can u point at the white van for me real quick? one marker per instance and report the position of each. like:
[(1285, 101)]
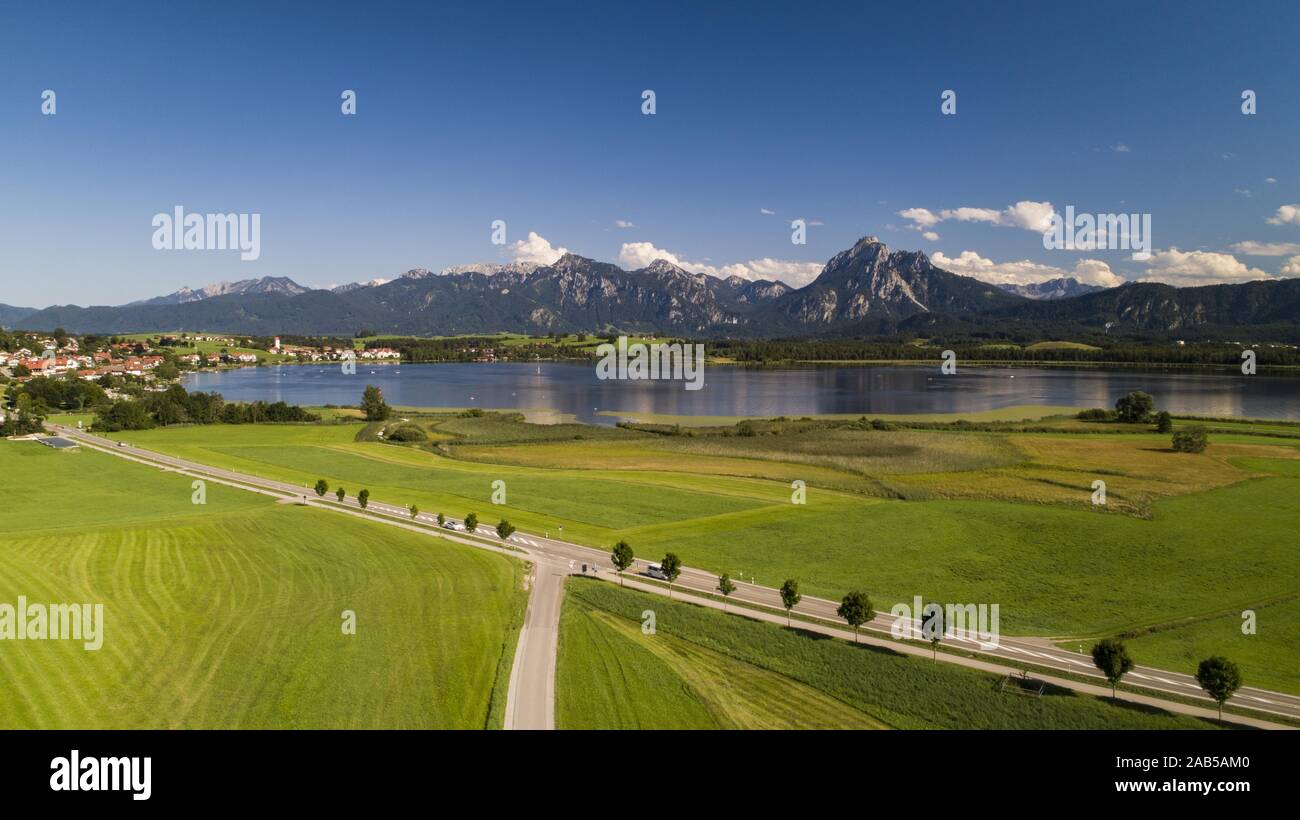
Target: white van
[(656, 571)]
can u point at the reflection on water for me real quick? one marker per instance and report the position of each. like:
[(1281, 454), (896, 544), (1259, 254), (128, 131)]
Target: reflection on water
[(561, 389)]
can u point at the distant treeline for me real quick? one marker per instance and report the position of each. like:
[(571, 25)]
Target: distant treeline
[(267, 342), (469, 348), (175, 405), (1209, 353)]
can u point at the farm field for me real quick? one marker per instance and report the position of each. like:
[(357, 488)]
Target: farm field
[(1020, 412), (589, 504), (1269, 655), (229, 614), (704, 669), (1003, 518)]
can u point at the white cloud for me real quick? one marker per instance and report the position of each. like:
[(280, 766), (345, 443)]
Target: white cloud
[(1242, 191), (1025, 272), (1096, 272), (921, 216), (930, 235), (1251, 248), (1032, 216), (1175, 267), (972, 214), (535, 250), (767, 211), (1287, 214), (795, 274), (623, 223), (1270, 180), (1120, 148), (635, 255), (1026, 214), (1292, 267)]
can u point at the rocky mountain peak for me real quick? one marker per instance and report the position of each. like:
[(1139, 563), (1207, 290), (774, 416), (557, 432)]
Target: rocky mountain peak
[(662, 266)]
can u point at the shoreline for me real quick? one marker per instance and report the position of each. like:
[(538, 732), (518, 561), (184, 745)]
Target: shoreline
[(1280, 370)]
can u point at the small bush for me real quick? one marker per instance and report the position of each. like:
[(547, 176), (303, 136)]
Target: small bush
[(406, 433), (1164, 422), (1096, 414), (1193, 440)]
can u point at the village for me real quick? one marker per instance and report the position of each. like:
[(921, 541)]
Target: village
[(36, 355)]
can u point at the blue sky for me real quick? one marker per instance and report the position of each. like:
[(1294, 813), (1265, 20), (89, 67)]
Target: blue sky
[(531, 113)]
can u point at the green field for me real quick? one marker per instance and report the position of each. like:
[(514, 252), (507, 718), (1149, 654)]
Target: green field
[(228, 615), (703, 669), (1269, 655), (1020, 412), (958, 516)]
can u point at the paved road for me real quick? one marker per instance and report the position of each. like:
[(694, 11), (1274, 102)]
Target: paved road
[(531, 701), (557, 553)]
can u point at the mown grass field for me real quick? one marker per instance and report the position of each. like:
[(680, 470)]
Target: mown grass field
[(704, 669), (589, 504), (614, 677), (1020, 412), (1268, 655), (229, 614), (989, 516)]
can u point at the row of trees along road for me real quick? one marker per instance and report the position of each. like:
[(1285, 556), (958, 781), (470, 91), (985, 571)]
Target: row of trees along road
[(1218, 676)]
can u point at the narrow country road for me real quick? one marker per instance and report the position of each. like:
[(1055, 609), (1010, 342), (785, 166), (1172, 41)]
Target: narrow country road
[(817, 614), (531, 701)]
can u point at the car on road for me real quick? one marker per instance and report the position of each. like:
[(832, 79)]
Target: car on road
[(656, 571), (451, 525)]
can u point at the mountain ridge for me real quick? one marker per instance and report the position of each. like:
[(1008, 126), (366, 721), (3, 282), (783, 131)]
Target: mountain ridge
[(867, 289)]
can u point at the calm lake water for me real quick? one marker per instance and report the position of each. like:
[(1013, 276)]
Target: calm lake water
[(567, 388)]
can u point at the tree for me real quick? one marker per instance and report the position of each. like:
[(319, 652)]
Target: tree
[(471, 522), (1111, 657), (167, 371), (621, 558), (672, 567), (363, 498), (442, 519), (504, 529), (726, 586), (415, 512), (855, 609), (790, 597), (1193, 440), (1135, 408), (322, 487), (1220, 678), (932, 623), (373, 404), (340, 494), (1164, 422)]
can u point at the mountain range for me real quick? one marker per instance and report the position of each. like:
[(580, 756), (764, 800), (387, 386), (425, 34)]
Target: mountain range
[(868, 289), (1062, 288), (10, 315), (267, 284)]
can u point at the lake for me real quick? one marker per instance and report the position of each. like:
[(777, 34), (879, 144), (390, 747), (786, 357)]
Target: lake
[(572, 388)]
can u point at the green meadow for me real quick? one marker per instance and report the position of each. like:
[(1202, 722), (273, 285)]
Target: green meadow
[(1267, 656), (982, 515), (703, 669), (230, 614)]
